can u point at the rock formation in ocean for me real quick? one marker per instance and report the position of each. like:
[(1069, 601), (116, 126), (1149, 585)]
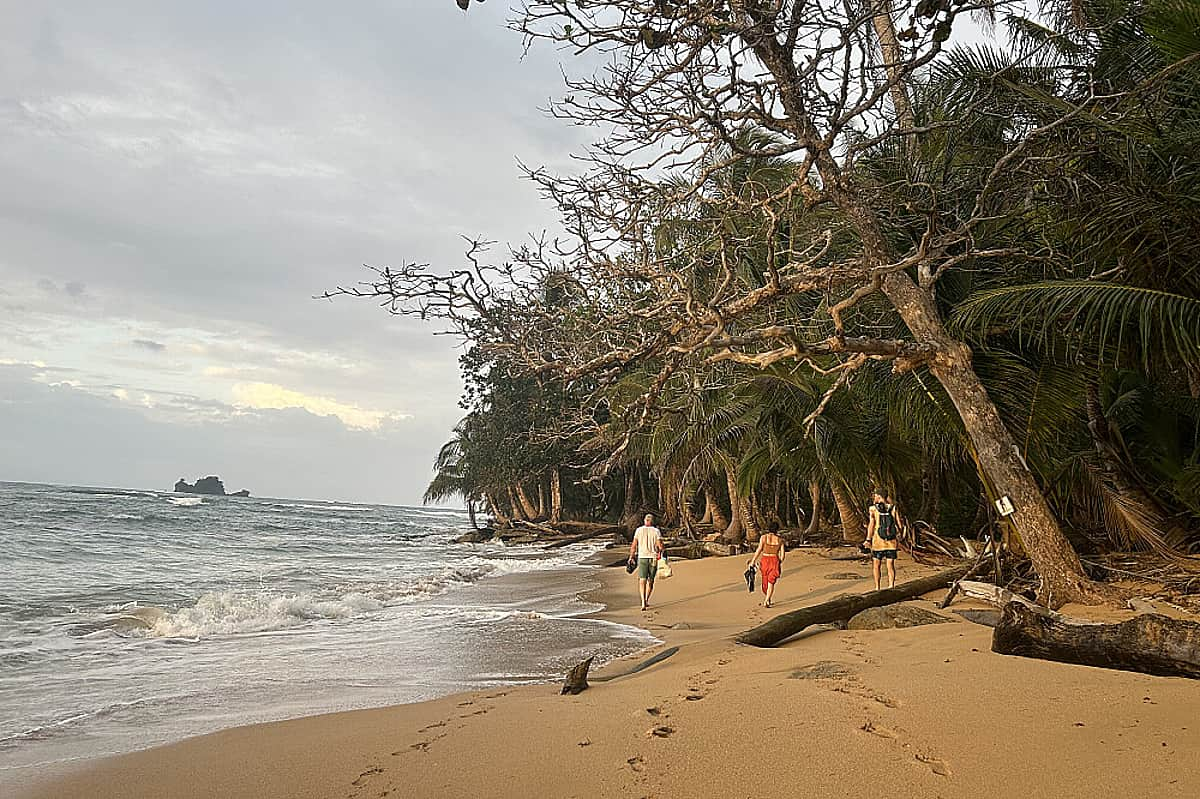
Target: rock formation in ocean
[(207, 485)]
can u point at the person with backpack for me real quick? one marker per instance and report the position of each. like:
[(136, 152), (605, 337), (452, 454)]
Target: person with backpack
[(883, 530)]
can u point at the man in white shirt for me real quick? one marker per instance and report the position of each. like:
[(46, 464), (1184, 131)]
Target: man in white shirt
[(647, 547)]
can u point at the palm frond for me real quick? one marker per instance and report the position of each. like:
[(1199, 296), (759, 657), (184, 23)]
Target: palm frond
[(1094, 315)]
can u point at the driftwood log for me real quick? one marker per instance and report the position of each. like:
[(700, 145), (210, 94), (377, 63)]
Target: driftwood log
[(575, 539), (576, 680), (994, 594), (841, 609), (1150, 643)]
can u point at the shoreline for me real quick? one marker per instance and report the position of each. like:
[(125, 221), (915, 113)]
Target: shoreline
[(924, 711), (531, 584)]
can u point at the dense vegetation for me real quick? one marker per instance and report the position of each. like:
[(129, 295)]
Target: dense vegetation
[(953, 273)]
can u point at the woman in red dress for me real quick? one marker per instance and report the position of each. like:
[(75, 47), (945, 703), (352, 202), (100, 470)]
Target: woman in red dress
[(769, 557)]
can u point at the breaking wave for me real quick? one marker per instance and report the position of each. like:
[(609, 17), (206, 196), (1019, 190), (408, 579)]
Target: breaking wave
[(238, 612)]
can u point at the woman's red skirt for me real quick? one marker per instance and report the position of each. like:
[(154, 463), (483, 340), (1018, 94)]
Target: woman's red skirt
[(768, 566)]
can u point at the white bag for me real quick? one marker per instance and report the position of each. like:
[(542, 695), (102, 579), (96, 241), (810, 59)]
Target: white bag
[(664, 568)]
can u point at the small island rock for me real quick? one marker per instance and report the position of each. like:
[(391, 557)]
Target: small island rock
[(210, 485)]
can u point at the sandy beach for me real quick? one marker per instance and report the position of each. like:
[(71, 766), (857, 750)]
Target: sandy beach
[(918, 712)]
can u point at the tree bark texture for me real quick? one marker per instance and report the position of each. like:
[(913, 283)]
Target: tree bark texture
[(719, 520), (853, 527), (527, 506), (814, 495), (630, 507), (1150, 643), (555, 496), (494, 509), (735, 532), (707, 518), (893, 56)]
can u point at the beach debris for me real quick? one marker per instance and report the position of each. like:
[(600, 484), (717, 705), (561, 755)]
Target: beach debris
[(904, 614), (585, 742), (576, 680), (996, 595), (1148, 643), (842, 609)]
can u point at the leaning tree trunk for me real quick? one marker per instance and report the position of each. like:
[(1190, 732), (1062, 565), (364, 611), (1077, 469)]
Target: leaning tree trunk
[(751, 519), (1061, 572), (707, 518), (471, 514), (814, 495), (719, 521), (853, 528), (1056, 563), (735, 532), (515, 506), (494, 508), (555, 497), (629, 508), (893, 57), (669, 499), (527, 506)]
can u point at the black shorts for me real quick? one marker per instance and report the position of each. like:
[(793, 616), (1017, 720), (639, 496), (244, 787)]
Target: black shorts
[(883, 554)]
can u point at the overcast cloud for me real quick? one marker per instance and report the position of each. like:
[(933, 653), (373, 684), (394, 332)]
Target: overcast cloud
[(178, 179)]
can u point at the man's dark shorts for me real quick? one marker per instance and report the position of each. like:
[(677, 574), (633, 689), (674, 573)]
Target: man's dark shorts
[(647, 568), (884, 554)]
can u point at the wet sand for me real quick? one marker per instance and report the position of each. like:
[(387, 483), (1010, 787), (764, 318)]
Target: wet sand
[(918, 712)]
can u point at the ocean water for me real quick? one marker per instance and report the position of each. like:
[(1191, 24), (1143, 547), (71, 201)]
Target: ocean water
[(134, 618)]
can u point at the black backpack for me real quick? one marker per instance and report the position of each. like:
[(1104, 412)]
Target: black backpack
[(887, 522)]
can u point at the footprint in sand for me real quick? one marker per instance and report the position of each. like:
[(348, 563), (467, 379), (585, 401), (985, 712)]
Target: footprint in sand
[(660, 732), (937, 766), (366, 775), (882, 732), (423, 746), (433, 726), (636, 764)]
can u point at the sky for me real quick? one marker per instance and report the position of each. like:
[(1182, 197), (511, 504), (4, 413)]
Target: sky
[(179, 179)]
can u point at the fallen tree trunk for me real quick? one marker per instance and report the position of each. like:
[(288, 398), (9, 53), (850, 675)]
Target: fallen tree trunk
[(841, 609), (575, 539), (1150, 643), (543, 529)]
